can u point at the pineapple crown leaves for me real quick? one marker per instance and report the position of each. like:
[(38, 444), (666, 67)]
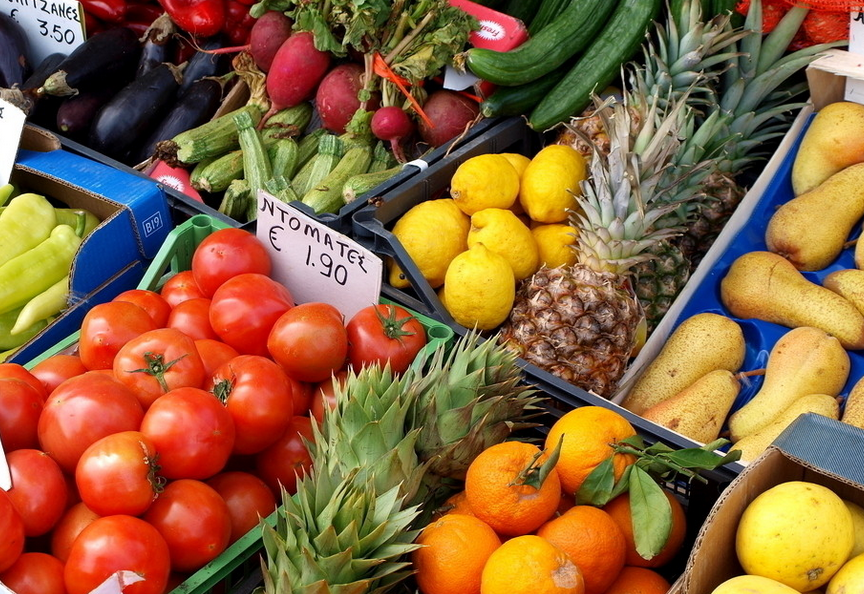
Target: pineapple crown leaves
[(337, 535), (655, 464)]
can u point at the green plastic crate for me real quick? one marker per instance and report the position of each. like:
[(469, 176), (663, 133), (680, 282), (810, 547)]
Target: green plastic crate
[(239, 561)]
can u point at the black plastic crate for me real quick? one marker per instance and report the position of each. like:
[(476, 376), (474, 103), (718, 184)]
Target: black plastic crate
[(372, 228)]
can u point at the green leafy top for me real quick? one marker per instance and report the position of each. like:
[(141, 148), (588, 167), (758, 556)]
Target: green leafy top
[(655, 463)]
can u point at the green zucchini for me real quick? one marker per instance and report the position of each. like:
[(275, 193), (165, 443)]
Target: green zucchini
[(567, 35), (521, 99), (599, 65), (546, 13)]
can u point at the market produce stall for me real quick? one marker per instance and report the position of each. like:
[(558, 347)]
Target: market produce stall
[(427, 296)]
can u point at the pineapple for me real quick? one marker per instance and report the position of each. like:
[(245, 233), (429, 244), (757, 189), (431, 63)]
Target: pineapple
[(579, 322), (355, 515)]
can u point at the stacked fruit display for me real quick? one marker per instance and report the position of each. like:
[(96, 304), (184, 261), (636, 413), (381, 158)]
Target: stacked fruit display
[(786, 306)]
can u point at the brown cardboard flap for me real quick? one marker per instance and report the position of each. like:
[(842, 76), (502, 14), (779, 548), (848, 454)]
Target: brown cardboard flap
[(38, 139)]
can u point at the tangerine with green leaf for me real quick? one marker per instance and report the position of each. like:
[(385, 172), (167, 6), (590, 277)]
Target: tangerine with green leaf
[(619, 510), (513, 486)]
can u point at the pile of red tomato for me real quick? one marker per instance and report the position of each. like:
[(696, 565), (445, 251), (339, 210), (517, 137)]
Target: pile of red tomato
[(176, 423)]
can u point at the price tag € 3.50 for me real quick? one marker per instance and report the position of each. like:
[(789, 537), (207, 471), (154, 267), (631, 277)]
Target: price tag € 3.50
[(52, 26), (316, 263)]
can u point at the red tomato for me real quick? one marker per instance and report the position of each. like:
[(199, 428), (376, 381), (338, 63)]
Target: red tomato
[(70, 525), (53, 370), (194, 520), (324, 395), (106, 328), (180, 287), (118, 474), (11, 532), (226, 253), (303, 394), (114, 543), (157, 361), (282, 461), (247, 496), (17, 371), (192, 317), (82, 410), (20, 407), (35, 573), (259, 397), (382, 333), (38, 490), (244, 309), (192, 431), (309, 341), (150, 301), (214, 353)]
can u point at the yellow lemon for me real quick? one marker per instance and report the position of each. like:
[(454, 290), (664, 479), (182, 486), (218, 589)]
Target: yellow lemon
[(556, 243), (858, 525), (433, 233), (798, 533), (550, 183), (502, 232), (484, 181), (752, 584), (479, 288), (849, 579), (519, 163)]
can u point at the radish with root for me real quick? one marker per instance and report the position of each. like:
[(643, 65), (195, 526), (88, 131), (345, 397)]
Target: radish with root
[(338, 96), (392, 124), (268, 34), (295, 73)]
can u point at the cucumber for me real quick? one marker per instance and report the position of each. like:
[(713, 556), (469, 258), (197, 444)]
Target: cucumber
[(521, 9), (521, 99), (568, 34), (546, 13), (599, 65)]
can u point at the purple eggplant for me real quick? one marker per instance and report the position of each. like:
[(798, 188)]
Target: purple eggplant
[(127, 118), (14, 67), (107, 56), (158, 45), (203, 64)]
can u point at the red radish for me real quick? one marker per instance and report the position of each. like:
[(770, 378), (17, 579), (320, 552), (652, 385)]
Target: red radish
[(295, 72), (450, 113), (336, 98), (393, 124), (268, 34)]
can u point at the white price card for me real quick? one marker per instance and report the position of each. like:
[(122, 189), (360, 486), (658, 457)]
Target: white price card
[(11, 125), (51, 26), (5, 473), (854, 84), (315, 262)]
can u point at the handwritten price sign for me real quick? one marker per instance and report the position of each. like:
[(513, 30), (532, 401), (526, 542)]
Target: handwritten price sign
[(11, 125), (315, 262), (51, 26)]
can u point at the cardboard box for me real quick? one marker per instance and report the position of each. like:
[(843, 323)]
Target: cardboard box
[(814, 449), (113, 258)]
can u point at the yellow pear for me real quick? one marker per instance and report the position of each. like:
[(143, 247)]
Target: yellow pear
[(803, 361), (849, 579), (757, 442), (858, 525), (848, 283), (853, 408), (811, 229), (752, 584), (703, 342), (766, 286), (834, 140), (700, 409)]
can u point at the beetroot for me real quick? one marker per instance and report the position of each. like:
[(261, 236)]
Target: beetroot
[(268, 34), (336, 98), (297, 68), (450, 113), (393, 124)]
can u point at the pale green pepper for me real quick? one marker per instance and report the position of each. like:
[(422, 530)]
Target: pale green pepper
[(80, 219), (24, 223), (49, 302), (13, 341), (34, 271)]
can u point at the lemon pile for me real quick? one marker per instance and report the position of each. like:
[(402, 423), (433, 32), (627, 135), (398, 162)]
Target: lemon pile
[(507, 216)]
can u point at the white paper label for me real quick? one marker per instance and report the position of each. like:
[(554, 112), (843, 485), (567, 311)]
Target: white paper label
[(51, 25), (11, 125), (855, 86), (316, 263), (5, 474)]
